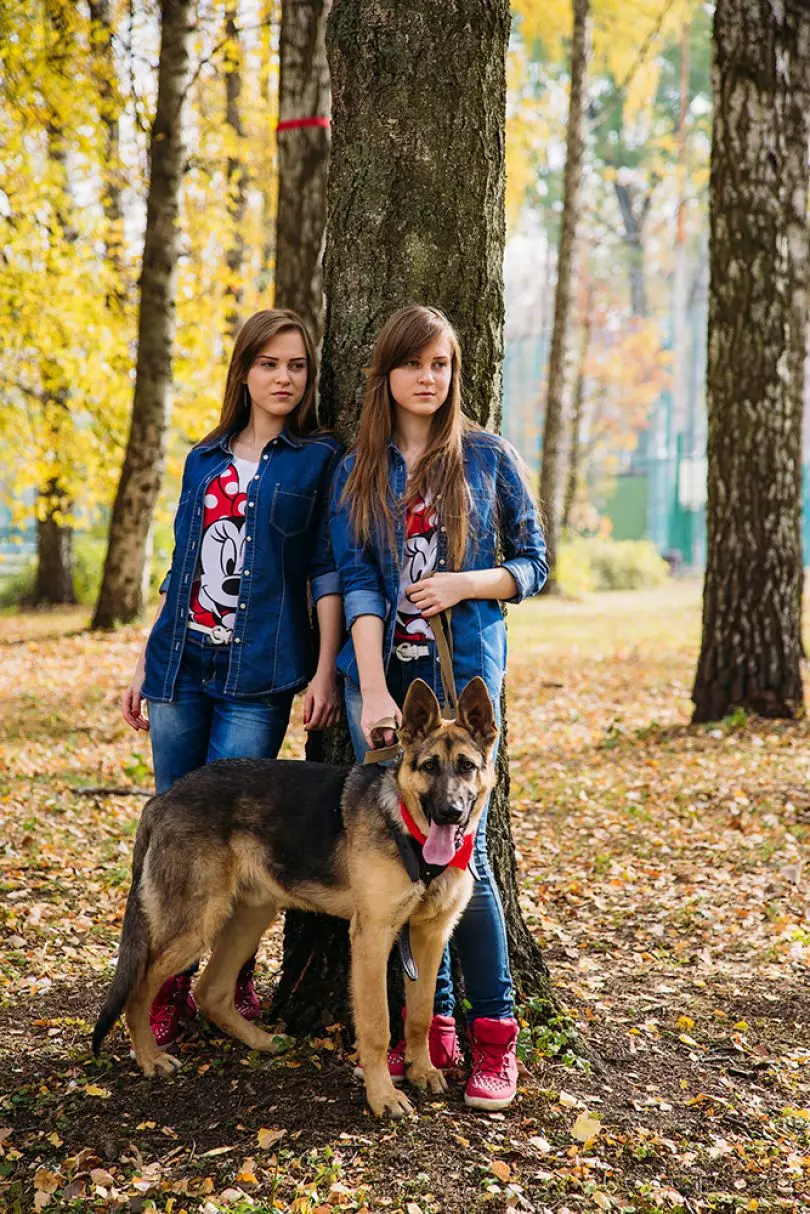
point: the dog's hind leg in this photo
(371, 942)
(214, 993)
(177, 956)
(428, 939)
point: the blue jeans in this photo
(480, 935)
(202, 724)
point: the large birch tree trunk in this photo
(415, 214)
(121, 595)
(552, 471)
(303, 159)
(751, 648)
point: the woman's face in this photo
(421, 383)
(278, 378)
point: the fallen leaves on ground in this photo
(661, 868)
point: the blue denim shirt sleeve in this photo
(323, 573)
(521, 534)
(360, 577)
(184, 487)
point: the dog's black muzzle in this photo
(450, 815)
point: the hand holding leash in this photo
(380, 712)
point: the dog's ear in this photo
(420, 713)
(476, 714)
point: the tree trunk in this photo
(751, 649)
(575, 446)
(110, 106)
(121, 597)
(53, 584)
(54, 576)
(303, 159)
(634, 208)
(236, 174)
(552, 471)
(415, 214)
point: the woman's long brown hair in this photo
(440, 471)
(250, 341)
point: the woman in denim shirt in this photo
(430, 512)
(232, 643)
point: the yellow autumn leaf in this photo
(686, 1039)
(586, 1127)
(267, 1138)
(685, 1022)
(602, 1200)
(93, 1089)
(501, 1169)
(246, 1178)
(45, 1181)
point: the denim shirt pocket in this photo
(290, 513)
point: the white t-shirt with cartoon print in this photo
(215, 592)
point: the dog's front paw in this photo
(388, 1102)
(425, 1076)
(159, 1064)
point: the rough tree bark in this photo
(552, 470)
(415, 214)
(751, 648)
(303, 159)
(236, 173)
(121, 595)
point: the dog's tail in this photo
(133, 949)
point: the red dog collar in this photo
(462, 857)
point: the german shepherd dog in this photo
(227, 847)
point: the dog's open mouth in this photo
(442, 843)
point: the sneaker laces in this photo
(492, 1059)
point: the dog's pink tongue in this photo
(440, 845)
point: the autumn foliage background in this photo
(660, 863)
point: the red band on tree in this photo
(290, 124)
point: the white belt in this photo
(407, 651)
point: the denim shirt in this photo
(287, 549)
(504, 530)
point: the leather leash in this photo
(440, 625)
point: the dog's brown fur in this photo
(219, 854)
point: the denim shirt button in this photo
(247, 539)
(241, 606)
(237, 640)
(265, 456)
(251, 504)
(246, 572)
(442, 562)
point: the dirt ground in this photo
(661, 869)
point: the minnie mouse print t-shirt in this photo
(215, 592)
(421, 523)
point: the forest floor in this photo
(660, 867)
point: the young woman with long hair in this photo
(431, 514)
(232, 642)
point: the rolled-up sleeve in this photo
(521, 533)
(360, 577)
(324, 578)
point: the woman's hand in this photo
(438, 592)
(376, 706)
(321, 702)
(131, 700)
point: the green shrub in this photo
(600, 563)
